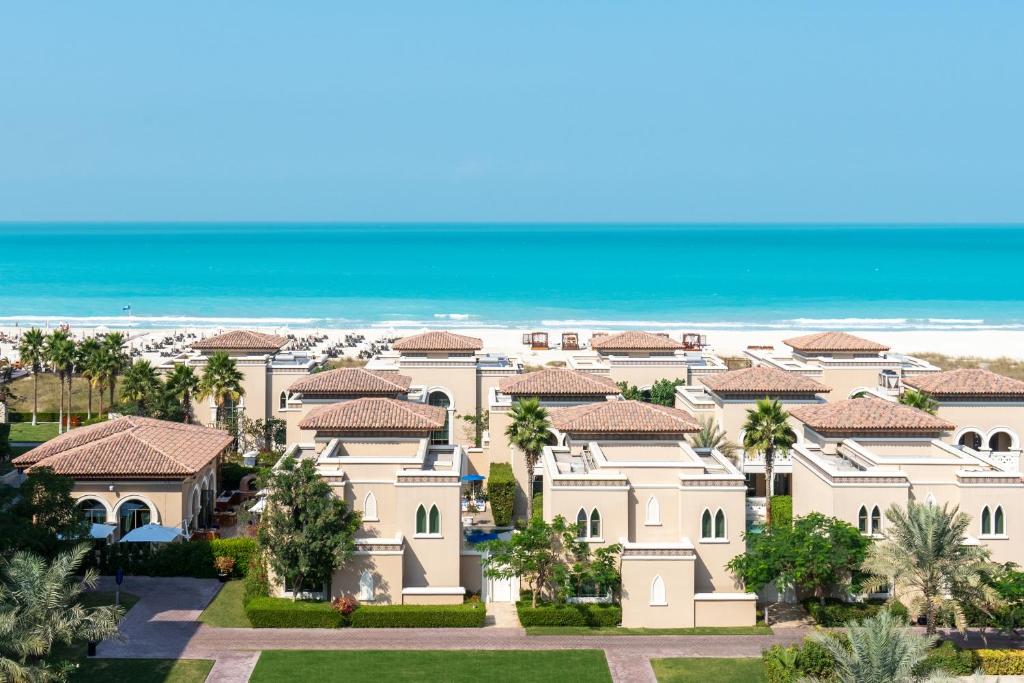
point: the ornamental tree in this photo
(306, 531)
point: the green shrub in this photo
(469, 615)
(192, 558)
(814, 660)
(287, 613)
(782, 511)
(948, 658)
(780, 664)
(569, 615)
(1001, 662)
(257, 584)
(42, 416)
(807, 660)
(501, 492)
(242, 550)
(231, 474)
(838, 613)
(5, 441)
(538, 506)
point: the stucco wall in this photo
(637, 579)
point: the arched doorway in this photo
(971, 439)
(132, 514)
(441, 400)
(1000, 442)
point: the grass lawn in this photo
(49, 398)
(99, 598)
(619, 631)
(226, 610)
(708, 670)
(26, 431)
(469, 666)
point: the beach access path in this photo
(163, 625)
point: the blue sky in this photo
(512, 111)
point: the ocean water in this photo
(815, 277)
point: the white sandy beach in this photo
(978, 343)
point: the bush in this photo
(501, 492)
(287, 613)
(948, 658)
(231, 474)
(5, 439)
(42, 416)
(1001, 662)
(838, 613)
(782, 511)
(538, 506)
(257, 584)
(242, 550)
(192, 558)
(788, 664)
(569, 615)
(470, 615)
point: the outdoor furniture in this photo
(467, 520)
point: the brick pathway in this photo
(163, 625)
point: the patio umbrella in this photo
(152, 533)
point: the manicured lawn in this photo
(469, 666)
(619, 631)
(708, 670)
(149, 670)
(26, 431)
(226, 609)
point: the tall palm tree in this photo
(767, 431)
(924, 554)
(878, 649)
(60, 353)
(920, 400)
(529, 431)
(40, 607)
(116, 359)
(714, 437)
(140, 385)
(183, 384)
(32, 350)
(223, 381)
(89, 367)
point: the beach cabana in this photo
(539, 341)
(570, 341)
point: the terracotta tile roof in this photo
(352, 382)
(439, 341)
(974, 382)
(247, 340)
(558, 382)
(375, 415)
(868, 415)
(634, 340)
(761, 379)
(828, 342)
(129, 448)
(623, 417)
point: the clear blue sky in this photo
(512, 111)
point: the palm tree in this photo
(60, 352)
(116, 359)
(712, 436)
(183, 385)
(140, 384)
(920, 400)
(40, 607)
(767, 431)
(31, 349)
(223, 381)
(878, 649)
(89, 367)
(924, 554)
(529, 431)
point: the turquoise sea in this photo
(721, 276)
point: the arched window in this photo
(581, 523)
(1000, 442)
(435, 520)
(421, 520)
(132, 514)
(658, 591)
(1000, 525)
(93, 511)
(283, 400)
(986, 521)
(862, 520)
(706, 529)
(441, 400)
(595, 524)
(370, 507)
(720, 524)
(971, 439)
(876, 520)
(366, 586)
(653, 511)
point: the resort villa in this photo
(846, 364)
(642, 358)
(134, 471)
(624, 473)
(855, 458)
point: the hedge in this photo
(838, 613)
(5, 445)
(468, 615)
(288, 613)
(782, 511)
(1001, 662)
(192, 558)
(42, 416)
(501, 492)
(948, 658)
(569, 615)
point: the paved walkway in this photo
(163, 625)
